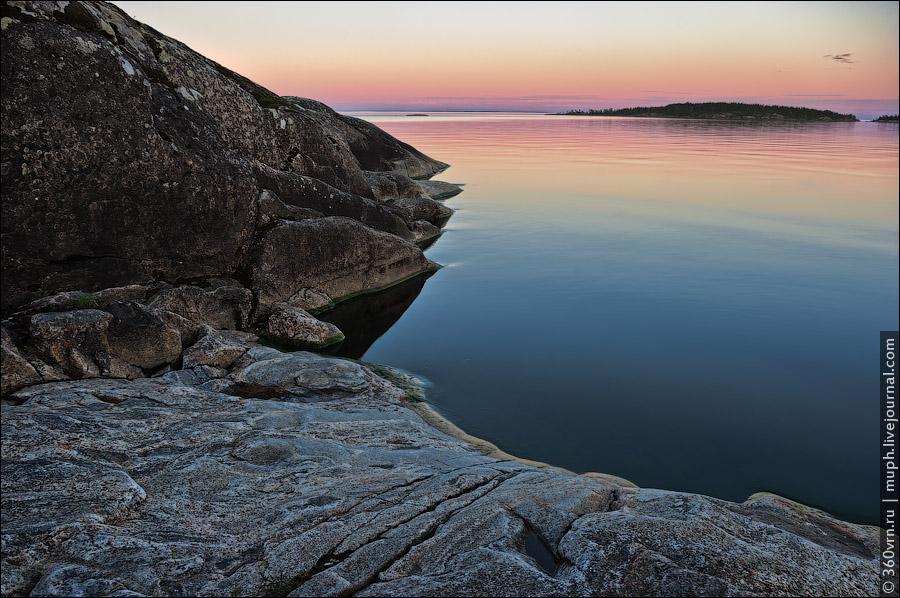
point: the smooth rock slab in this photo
(159, 487)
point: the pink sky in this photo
(550, 56)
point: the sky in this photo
(544, 56)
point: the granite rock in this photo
(296, 328)
(329, 482)
(130, 159)
(330, 259)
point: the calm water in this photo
(690, 305)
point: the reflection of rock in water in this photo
(364, 319)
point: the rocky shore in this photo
(166, 223)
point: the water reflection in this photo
(690, 305)
(365, 318)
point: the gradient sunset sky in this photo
(549, 56)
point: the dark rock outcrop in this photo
(140, 337)
(128, 158)
(314, 272)
(224, 307)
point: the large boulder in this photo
(216, 349)
(424, 208)
(140, 337)
(129, 158)
(391, 185)
(223, 307)
(73, 341)
(329, 259)
(439, 189)
(123, 340)
(311, 194)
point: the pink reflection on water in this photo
(745, 174)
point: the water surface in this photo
(690, 305)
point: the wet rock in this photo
(330, 258)
(295, 327)
(224, 307)
(15, 370)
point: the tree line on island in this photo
(722, 111)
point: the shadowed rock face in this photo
(293, 265)
(129, 158)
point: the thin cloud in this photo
(845, 58)
(528, 98)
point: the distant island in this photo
(417, 114)
(722, 111)
(886, 118)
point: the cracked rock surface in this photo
(293, 473)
